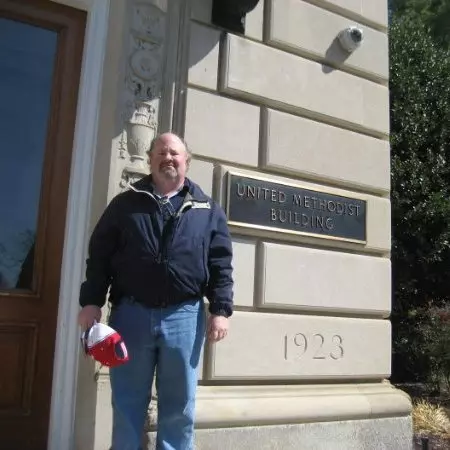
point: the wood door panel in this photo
(29, 297)
(18, 349)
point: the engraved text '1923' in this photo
(314, 346)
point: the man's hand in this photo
(88, 315)
(217, 328)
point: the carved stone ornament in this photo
(129, 178)
(143, 77)
(144, 64)
(143, 84)
(149, 22)
(140, 131)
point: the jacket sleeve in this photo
(102, 246)
(220, 286)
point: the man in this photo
(160, 247)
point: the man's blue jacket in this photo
(131, 252)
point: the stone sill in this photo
(235, 406)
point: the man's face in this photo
(168, 159)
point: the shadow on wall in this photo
(335, 55)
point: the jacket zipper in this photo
(161, 251)
(149, 194)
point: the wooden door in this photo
(41, 44)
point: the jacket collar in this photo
(194, 190)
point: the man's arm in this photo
(102, 245)
(220, 286)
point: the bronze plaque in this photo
(262, 204)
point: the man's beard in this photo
(169, 172)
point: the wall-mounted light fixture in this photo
(351, 38)
(230, 14)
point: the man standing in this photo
(160, 247)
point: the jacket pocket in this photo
(187, 264)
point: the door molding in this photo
(65, 367)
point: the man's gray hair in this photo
(157, 137)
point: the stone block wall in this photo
(310, 340)
(286, 102)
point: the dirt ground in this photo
(417, 391)
(434, 443)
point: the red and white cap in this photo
(105, 345)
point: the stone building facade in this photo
(283, 106)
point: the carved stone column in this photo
(142, 93)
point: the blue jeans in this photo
(168, 341)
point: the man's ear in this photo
(188, 161)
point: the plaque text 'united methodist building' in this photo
(258, 203)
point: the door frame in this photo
(65, 366)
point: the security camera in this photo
(351, 38)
